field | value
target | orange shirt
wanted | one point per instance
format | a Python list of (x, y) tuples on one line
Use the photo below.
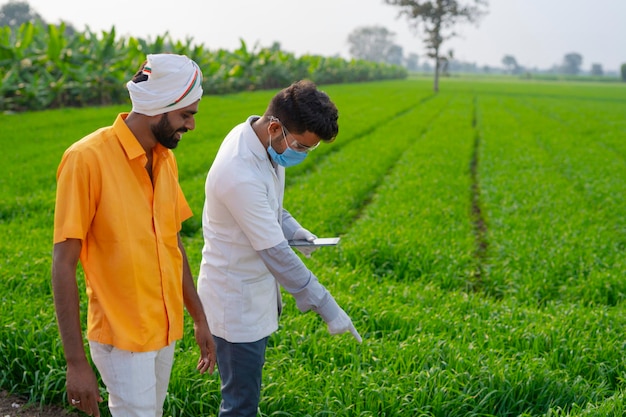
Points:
[(128, 227)]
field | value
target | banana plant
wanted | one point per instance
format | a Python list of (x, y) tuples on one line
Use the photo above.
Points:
[(42, 66)]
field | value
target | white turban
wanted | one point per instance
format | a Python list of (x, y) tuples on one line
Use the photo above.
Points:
[(174, 82)]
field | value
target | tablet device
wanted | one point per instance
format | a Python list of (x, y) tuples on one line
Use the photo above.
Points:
[(323, 241)]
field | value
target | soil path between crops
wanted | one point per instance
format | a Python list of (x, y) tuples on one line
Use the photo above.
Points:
[(13, 406)]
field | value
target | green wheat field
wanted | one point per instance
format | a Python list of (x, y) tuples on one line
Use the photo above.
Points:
[(483, 252)]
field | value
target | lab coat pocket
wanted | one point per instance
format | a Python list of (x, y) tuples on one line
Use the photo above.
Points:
[(260, 303)]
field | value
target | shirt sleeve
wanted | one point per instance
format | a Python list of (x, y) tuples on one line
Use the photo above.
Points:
[(249, 205), (299, 281), (76, 197), (290, 225)]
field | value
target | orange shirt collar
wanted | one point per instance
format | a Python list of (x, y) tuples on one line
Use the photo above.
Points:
[(130, 143)]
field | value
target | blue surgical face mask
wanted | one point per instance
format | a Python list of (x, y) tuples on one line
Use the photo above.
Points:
[(289, 157)]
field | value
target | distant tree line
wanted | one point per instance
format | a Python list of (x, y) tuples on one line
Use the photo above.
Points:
[(436, 20), (571, 65), (377, 44)]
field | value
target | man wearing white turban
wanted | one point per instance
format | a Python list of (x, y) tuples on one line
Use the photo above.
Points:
[(119, 211), (173, 82)]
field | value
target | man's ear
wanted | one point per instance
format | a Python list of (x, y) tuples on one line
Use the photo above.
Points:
[(274, 126)]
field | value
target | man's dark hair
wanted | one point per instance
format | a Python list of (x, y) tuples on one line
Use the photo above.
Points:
[(139, 75), (302, 107)]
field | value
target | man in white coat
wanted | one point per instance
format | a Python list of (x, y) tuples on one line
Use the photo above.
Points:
[(246, 254)]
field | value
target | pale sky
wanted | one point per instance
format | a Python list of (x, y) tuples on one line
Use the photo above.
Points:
[(538, 33)]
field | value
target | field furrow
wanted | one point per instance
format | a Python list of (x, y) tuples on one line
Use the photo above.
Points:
[(554, 198)]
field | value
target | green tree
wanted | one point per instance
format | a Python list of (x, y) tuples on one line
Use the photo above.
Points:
[(374, 43), (437, 19), (395, 55), (412, 62), (623, 68), (596, 69), (572, 63), (16, 12), (444, 64), (510, 63)]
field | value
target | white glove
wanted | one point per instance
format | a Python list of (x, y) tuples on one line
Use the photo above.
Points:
[(303, 234), (342, 324)]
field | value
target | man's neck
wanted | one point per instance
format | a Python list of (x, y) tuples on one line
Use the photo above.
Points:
[(139, 124)]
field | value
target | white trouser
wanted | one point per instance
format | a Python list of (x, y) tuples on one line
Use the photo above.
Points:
[(136, 381)]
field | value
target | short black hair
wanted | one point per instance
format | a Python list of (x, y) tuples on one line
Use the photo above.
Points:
[(302, 107), (139, 75)]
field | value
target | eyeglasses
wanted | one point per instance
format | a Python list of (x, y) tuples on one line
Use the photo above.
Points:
[(295, 145)]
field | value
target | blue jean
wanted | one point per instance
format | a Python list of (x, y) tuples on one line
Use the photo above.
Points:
[(240, 366)]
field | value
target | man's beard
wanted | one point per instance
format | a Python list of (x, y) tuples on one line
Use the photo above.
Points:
[(165, 134)]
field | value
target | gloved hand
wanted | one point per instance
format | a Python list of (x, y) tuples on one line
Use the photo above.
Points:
[(303, 234), (342, 324)]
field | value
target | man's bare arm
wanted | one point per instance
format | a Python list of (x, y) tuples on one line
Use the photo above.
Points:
[(82, 385), (204, 338)]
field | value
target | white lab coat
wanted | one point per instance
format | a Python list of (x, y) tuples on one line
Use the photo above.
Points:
[(242, 215)]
